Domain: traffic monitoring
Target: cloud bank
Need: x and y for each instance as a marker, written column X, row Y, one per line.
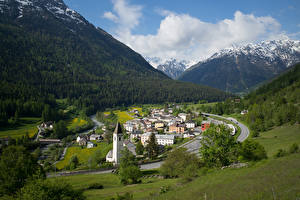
column 184, row 37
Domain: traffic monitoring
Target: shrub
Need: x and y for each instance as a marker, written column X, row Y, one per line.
column 252, row 150
column 280, row 153
column 95, row 186
column 294, row 148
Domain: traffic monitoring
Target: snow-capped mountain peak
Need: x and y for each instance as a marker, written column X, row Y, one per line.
column 285, row 50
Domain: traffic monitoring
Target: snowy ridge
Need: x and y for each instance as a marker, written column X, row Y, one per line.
column 56, row 7
column 285, row 50
column 171, row 67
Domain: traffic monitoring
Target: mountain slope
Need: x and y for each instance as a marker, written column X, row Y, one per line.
column 238, row 69
column 49, row 51
column 276, row 102
column 173, row 68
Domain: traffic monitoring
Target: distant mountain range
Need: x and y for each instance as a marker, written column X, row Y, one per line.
column 171, row 67
column 238, row 69
column 50, row 51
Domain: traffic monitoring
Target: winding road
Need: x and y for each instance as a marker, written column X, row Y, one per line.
column 244, row 129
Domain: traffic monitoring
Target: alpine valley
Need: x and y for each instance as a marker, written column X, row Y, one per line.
column 240, row 69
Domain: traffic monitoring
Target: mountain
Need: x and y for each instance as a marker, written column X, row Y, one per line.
column 49, row 51
column 238, row 69
column 172, row 67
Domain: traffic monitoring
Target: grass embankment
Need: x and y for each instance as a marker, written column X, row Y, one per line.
column 112, row 186
column 279, row 138
column 83, row 154
column 267, row 179
column 26, row 125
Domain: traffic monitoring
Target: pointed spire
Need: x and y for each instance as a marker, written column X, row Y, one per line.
column 118, row 129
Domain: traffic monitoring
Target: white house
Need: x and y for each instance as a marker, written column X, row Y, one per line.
column 190, row 124
column 182, row 116
column 95, row 137
column 165, row 139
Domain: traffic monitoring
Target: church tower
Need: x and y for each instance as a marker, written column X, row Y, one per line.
column 117, row 144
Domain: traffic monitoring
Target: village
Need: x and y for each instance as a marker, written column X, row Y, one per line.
column 161, row 122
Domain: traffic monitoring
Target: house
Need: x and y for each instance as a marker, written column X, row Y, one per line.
column 190, row 124
column 205, row 125
column 145, row 137
column 135, row 134
column 159, row 125
column 165, row 139
column 177, row 128
column 182, row 116
column 47, row 125
column 82, row 141
column 90, row 145
column 128, row 126
column 148, row 124
column 95, row 137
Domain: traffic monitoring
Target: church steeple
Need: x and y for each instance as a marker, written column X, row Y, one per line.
column 118, row 129
column 117, row 143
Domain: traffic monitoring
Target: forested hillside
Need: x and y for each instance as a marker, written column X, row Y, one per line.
column 277, row 102
column 49, row 51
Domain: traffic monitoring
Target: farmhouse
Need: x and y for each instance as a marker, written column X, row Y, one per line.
column 182, row 116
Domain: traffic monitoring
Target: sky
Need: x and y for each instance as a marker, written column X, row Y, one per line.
column 191, row 30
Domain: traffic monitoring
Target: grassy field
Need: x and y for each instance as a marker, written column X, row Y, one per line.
column 112, row 186
column 76, row 122
column 83, row 154
column 123, row 116
column 279, row 138
column 266, row 180
column 27, row 125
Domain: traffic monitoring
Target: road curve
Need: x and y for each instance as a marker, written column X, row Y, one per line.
column 244, row 129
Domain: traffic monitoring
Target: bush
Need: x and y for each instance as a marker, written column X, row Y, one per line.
column 95, row 186
column 180, row 163
column 252, row 150
column 294, row 148
column 280, row 153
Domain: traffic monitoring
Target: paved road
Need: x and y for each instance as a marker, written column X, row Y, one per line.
column 244, row 129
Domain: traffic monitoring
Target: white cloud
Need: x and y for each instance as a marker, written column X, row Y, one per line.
column 182, row 36
column 110, row 16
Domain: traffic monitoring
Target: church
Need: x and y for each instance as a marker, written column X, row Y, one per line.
column 114, row 155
